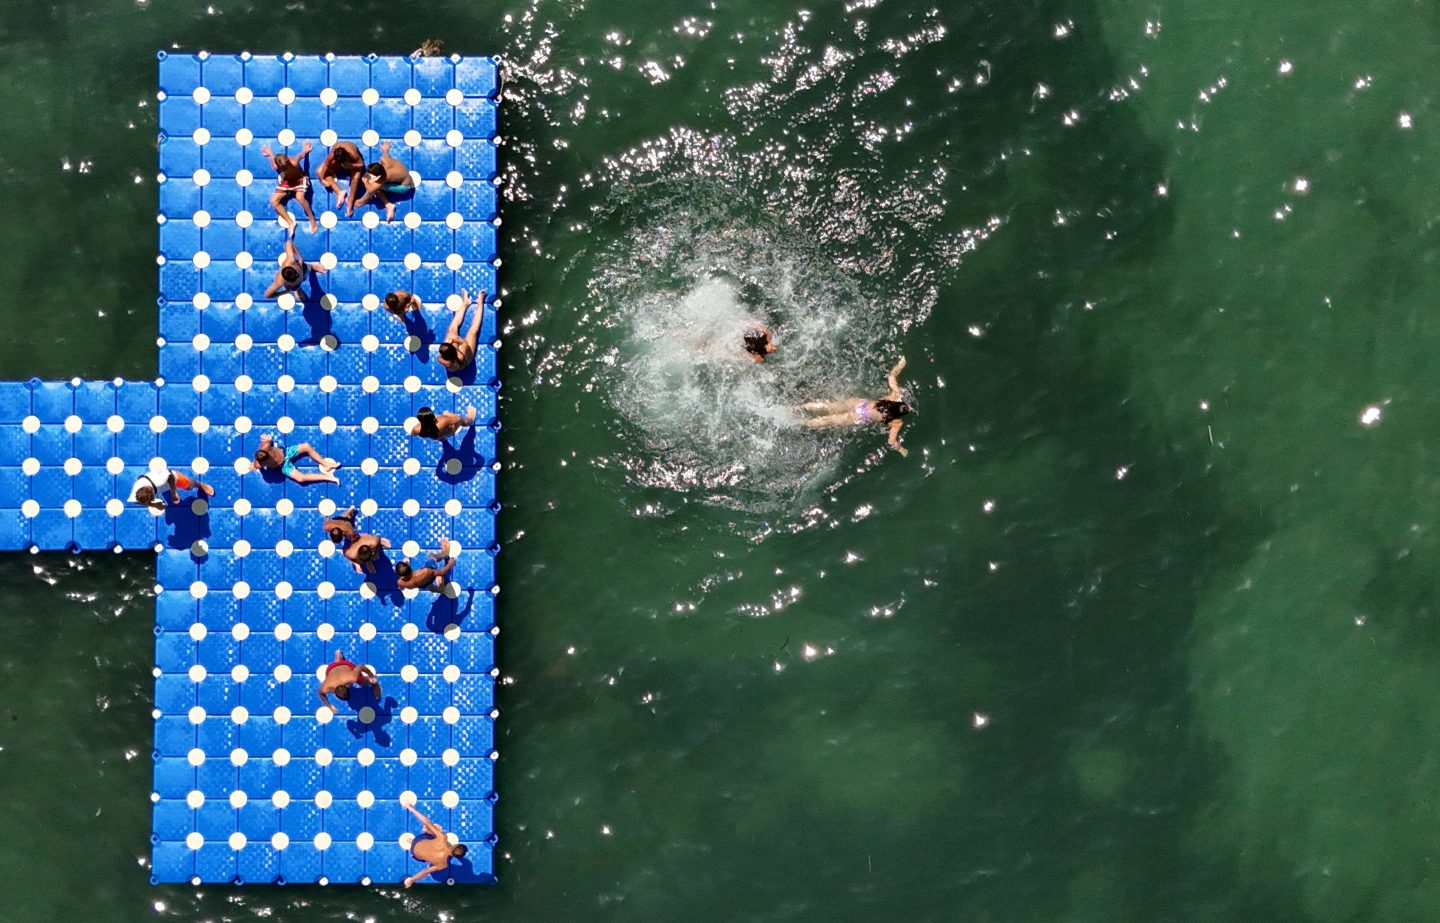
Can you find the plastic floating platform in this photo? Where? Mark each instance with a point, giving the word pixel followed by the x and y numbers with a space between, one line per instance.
pixel 255 781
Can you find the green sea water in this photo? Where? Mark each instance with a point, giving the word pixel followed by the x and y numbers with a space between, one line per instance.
pixel 1144 628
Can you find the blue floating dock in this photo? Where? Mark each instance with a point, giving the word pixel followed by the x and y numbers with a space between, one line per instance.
pixel 254 780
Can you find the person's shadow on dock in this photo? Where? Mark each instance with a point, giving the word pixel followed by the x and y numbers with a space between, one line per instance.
pixel 314 312
pixel 385 581
pixel 445 611
pixel 470 460
pixel 362 697
pixel 186 526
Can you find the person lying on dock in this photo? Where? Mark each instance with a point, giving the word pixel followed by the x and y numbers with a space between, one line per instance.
pixel 426 578
pixel 859 411
pixel 293 181
pixel 454 352
pixel 364 550
pixel 429 425
pixel 273 455
pixel 382 179
pixel 341 529
pixel 340 675
pixel 432 847
pixel 399 302
pixel 293 272
pixel 148 486
pixel 759 342
pixel 342 161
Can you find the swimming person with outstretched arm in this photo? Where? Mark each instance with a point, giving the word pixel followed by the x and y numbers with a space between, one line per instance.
pixel 456 353
pixel 293 181
pixel 858 411
pixel 759 342
pixel 429 425
pixel 340 675
pixel 273 455
pixel 432 848
pixel 293 272
pixel 382 179
pixel 427 578
pixel 343 160
pixel 148 486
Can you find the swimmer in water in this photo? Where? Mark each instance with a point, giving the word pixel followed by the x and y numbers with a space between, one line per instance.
pixel 382 179
pixel 858 411
pixel 759 342
pixel 433 848
pixel 293 181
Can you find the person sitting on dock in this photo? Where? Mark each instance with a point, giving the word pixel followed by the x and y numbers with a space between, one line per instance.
pixel 432 847
pixel 343 160
pixel 148 486
pixel 426 578
pixel 759 342
pixel 273 455
pixel 858 411
pixel 293 181
pixel 341 529
pixel 455 354
pixel 293 272
pixel 442 426
pixel 382 179
pixel 398 302
pixel 340 675
pixel 364 550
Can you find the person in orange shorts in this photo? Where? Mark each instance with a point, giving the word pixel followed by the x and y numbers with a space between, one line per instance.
pixel 159 477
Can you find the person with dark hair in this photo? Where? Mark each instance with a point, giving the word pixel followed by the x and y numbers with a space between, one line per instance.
pixel 432 847
pixel 381 179
pixel 293 272
pixel 343 160
pixel 426 578
pixel 759 342
pixel 341 529
pixel 455 353
pixel 293 181
pixel 858 411
pixel 148 486
pixel 340 675
pixel 364 550
pixel 398 302
pixel 442 426
pixel 273 455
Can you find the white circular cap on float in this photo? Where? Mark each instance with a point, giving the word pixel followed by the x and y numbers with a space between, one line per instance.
pixel 408 757
pixel 412 220
pixel 239 674
pixel 243 178
pixel 367 715
pixel 286 137
pixel 369 342
pixel 282 632
pixel 325 631
pixel 195 757
pixel 450 757
pixel 282 675
pixel 328 96
pixel 194 840
pixel 323 757
pixel 450 799
pixel 281 798
pixel 239 714
pixel 201 95
pixel 323 799
pixel 195 799
pixel 408 715
pixel 370 97
pixel 454 180
pixel 322 839
pixel 244 95
pixel 410 631
pixel 365 840
pixel 197 673
pixel 197 715
pixel 454 96
pixel 239 757
pixel 279 840
pixel 238 799
pixel 451 715
pixel 454 137
pixel 409 673
pixel 280 757
pixel 451 674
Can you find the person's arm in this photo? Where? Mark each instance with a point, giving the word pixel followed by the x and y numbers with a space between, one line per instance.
pixel 429 871
pixel 265 149
pixel 276 284
pixel 174 492
pixel 328 704
pixel 895 437
pixel 305 150
pixel 894 380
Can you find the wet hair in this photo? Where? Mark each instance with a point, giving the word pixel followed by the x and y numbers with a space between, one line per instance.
pixel 290 274
pixel 891 411
pixel 755 341
pixel 376 170
pixel 459 850
pixel 448 352
pixel 282 161
pixel 365 552
pixel 403 570
pixel 426 418
pixel 145 494
pixel 262 458
pixel 392 302
pixel 337 535
pixel 342 692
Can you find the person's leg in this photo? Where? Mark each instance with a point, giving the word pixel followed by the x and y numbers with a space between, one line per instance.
pixel 326 464
pixel 304 197
pixel 385 201
pixel 277 200
pixel 833 419
pixel 455 319
pixel 470 417
pixel 312 477
pixel 473 336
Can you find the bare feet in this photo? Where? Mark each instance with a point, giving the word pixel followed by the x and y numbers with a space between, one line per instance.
pixel 470 418
pixel 389 211
pixel 329 465
pixel 207 489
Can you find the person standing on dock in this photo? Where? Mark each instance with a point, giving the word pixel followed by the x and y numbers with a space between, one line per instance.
pixel 340 675
pixel 426 578
pixel 148 486
pixel 364 550
pixel 293 272
pixel 454 353
pixel 399 302
pixel 432 847
pixel 341 529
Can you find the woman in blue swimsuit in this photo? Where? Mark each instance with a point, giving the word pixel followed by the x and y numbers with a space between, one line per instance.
pixel 273 455
pixel 858 411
